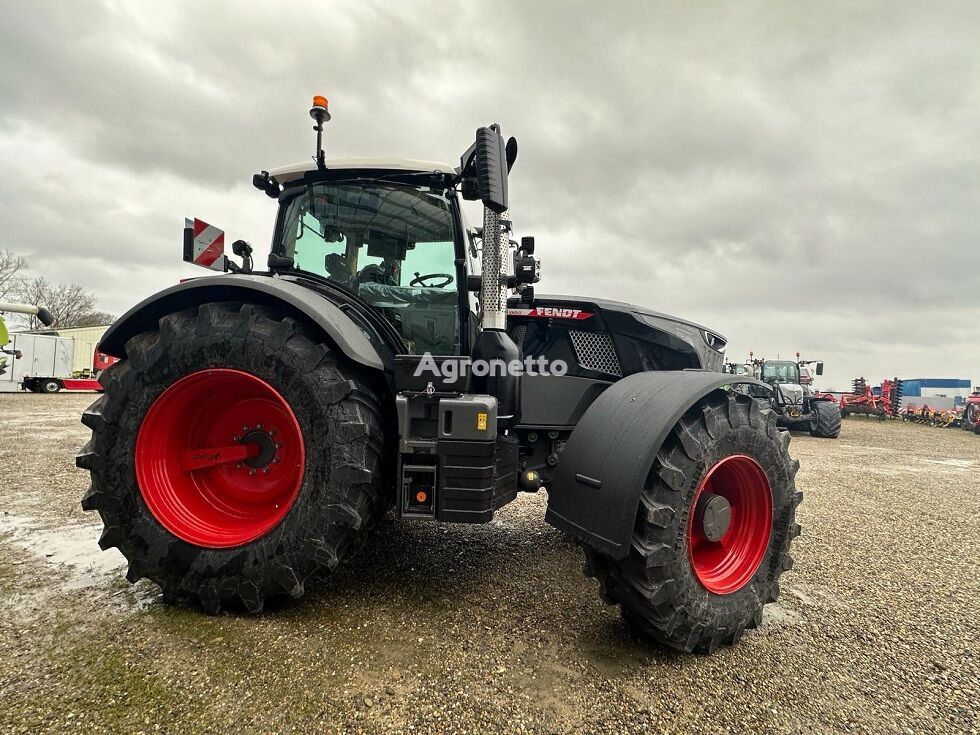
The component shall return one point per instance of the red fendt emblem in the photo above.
(550, 312)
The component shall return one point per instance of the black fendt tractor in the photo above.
(259, 424)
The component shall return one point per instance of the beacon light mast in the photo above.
(320, 112)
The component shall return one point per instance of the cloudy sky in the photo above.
(797, 177)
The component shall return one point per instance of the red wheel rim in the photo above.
(219, 458)
(726, 565)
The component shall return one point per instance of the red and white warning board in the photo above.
(204, 244)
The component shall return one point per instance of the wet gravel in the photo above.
(452, 628)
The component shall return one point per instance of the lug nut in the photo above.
(244, 428)
(275, 460)
(238, 440)
(258, 426)
(239, 466)
(251, 472)
(265, 470)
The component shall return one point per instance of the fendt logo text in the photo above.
(552, 312)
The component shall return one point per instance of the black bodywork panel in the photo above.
(596, 488)
(601, 341)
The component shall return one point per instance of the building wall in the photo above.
(955, 389)
(86, 340)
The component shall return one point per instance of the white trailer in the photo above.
(45, 365)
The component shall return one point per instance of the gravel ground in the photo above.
(453, 628)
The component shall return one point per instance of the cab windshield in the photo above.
(392, 245)
(780, 371)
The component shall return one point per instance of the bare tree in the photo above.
(94, 319)
(68, 302)
(10, 267)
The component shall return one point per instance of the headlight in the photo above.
(714, 341)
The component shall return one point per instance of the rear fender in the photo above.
(302, 302)
(596, 489)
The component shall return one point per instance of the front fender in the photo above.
(266, 290)
(596, 489)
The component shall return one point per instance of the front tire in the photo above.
(828, 421)
(304, 432)
(677, 586)
(971, 418)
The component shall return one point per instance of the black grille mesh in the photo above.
(596, 351)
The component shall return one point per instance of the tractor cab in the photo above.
(780, 372)
(388, 231)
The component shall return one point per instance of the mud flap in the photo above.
(596, 489)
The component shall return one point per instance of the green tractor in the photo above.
(259, 424)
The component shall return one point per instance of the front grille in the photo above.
(596, 351)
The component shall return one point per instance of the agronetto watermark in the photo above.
(454, 368)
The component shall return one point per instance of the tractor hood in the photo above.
(790, 394)
(677, 337)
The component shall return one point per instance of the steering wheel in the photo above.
(418, 280)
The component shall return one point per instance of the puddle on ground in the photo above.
(73, 547)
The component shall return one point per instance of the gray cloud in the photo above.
(796, 177)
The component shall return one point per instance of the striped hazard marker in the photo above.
(204, 244)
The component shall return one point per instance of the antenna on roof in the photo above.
(321, 113)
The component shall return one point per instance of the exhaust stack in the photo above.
(493, 345)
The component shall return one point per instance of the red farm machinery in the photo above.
(970, 419)
(865, 400)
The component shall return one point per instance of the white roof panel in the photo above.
(285, 174)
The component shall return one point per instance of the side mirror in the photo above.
(820, 368)
(263, 182)
(241, 248)
(491, 168)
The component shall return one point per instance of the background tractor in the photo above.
(258, 425)
(793, 399)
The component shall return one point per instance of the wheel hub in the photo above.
(713, 515)
(266, 447)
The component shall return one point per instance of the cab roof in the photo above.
(286, 174)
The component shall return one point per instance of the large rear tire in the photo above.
(677, 586)
(302, 428)
(828, 421)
